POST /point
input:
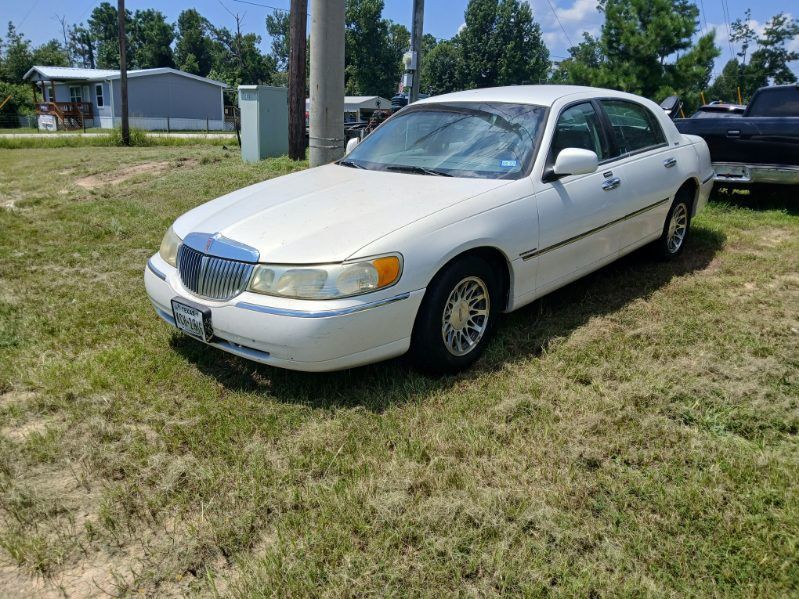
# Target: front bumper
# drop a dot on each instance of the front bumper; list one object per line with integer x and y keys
{"x": 733, "y": 172}
{"x": 313, "y": 336}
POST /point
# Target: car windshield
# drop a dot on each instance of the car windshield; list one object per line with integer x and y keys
{"x": 470, "y": 139}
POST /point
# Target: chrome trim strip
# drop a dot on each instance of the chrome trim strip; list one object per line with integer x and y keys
{"x": 322, "y": 313}
{"x": 156, "y": 272}
{"x": 216, "y": 244}
{"x": 533, "y": 253}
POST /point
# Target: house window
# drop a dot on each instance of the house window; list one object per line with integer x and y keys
{"x": 75, "y": 94}
{"x": 98, "y": 92}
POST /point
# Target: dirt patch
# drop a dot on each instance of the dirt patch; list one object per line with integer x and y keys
{"x": 22, "y": 431}
{"x": 123, "y": 174}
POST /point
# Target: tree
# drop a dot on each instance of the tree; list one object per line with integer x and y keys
{"x": 17, "y": 56}
{"x": 237, "y": 59}
{"x": 151, "y": 40}
{"x": 645, "y": 47}
{"x": 772, "y": 57}
{"x": 104, "y": 29}
{"x": 373, "y": 49}
{"x": 441, "y": 69}
{"x": 277, "y": 26}
{"x": 82, "y": 47}
{"x": 52, "y": 53}
{"x": 770, "y": 61}
{"x": 501, "y": 45}
{"x": 194, "y": 46}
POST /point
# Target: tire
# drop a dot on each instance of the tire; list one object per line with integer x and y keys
{"x": 676, "y": 228}
{"x": 457, "y": 317}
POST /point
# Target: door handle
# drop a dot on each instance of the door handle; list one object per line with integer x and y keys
{"x": 734, "y": 133}
{"x": 611, "y": 183}
{"x": 670, "y": 162}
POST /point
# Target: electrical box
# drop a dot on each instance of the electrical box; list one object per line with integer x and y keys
{"x": 264, "y": 122}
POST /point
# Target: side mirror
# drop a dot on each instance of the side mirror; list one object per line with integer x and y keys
{"x": 575, "y": 161}
{"x": 672, "y": 106}
{"x": 351, "y": 144}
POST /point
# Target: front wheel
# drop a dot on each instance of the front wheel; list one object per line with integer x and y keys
{"x": 457, "y": 316}
{"x": 675, "y": 230}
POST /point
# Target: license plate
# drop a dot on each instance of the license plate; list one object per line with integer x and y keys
{"x": 193, "y": 320}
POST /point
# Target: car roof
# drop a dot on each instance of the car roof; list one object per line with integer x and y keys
{"x": 541, "y": 95}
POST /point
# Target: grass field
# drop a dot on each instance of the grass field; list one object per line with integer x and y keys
{"x": 632, "y": 434}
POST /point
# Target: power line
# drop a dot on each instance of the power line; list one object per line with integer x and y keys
{"x": 557, "y": 18}
{"x": 704, "y": 16}
{"x": 262, "y": 5}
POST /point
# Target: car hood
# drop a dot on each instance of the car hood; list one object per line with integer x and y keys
{"x": 326, "y": 214}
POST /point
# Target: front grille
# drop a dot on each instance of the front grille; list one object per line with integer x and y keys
{"x": 212, "y": 277}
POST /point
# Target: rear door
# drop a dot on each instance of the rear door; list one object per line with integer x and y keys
{"x": 651, "y": 172}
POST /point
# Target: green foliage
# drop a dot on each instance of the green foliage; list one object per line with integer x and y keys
{"x": 238, "y": 60}
{"x": 21, "y": 101}
{"x": 104, "y": 28}
{"x": 374, "y": 48}
{"x": 442, "y": 68}
{"x": 501, "y": 45}
{"x": 278, "y": 27}
{"x": 52, "y": 53}
{"x": 772, "y": 56}
{"x": 17, "y": 56}
{"x": 194, "y": 46}
{"x": 769, "y": 63}
{"x": 82, "y": 47}
{"x": 645, "y": 48}
{"x": 137, "y": 137}
{"x": 151, "y": 39}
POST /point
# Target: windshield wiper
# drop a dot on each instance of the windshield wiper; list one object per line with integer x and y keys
{"x": 350, "y": 164}
{"x": 418, "y": 170}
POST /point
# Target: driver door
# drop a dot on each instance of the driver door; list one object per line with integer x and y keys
{"x": 576, "y": 212}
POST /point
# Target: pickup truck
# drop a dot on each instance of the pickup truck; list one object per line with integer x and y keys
{"x": 760, "y": 146}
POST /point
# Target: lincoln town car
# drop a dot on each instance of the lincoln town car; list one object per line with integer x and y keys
{"x": 457, "y": 208}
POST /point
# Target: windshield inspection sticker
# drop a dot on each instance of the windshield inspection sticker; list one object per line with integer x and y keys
{"x": 508, "y": 163}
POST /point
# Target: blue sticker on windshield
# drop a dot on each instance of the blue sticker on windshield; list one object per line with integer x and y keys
{"x": 508, "y": 163}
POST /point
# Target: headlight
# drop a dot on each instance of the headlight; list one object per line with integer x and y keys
{"x": 327, "y": 281}
{"x": 169, "y": 247}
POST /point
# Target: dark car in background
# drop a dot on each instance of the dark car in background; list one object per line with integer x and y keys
{"x": 759, "y": 146}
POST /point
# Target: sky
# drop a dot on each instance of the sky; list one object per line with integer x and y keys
{"x": 37, "y": 18}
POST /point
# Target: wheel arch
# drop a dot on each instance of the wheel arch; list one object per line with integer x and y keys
{"x": 691, "y": 188}
{"x": 495, "y": 257}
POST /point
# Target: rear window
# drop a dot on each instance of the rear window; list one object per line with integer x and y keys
{"x": 634, "y": 126}
{"x": 714, "y": 114}
{"x": 782, "y": 101}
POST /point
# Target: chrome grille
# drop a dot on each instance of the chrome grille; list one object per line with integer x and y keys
{"x": 212, "y": 277}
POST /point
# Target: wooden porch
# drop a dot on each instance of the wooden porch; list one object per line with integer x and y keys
{"x": 69, "y": 115}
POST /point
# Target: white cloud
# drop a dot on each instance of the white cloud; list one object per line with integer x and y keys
{"x": 462, "y": 27}
{"x": 576, "y": 17}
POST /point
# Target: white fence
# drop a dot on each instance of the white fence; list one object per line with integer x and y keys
{"x": 165, "y": 123}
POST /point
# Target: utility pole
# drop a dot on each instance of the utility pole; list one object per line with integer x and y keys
{"x": 327, "y": 81}
{"x": 123, "y": 73}
{"x": 417, "y": 29}
{"x": 298, "y": 22}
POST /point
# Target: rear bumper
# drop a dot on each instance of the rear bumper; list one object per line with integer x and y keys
{"x": 301, "y": 335}
{"x": 734, "y": 172}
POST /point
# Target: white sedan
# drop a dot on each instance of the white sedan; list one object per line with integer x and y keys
{"x": 457, "y": 208}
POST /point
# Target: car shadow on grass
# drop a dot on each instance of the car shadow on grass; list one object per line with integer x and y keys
{"x": 521, "y": 334}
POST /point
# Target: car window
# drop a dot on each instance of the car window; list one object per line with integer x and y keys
{"x": 715, "y": 114}
{"x": 634, "y": 126}
{"x": 777, "y": 101}
{"x": 578, "y": 127}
